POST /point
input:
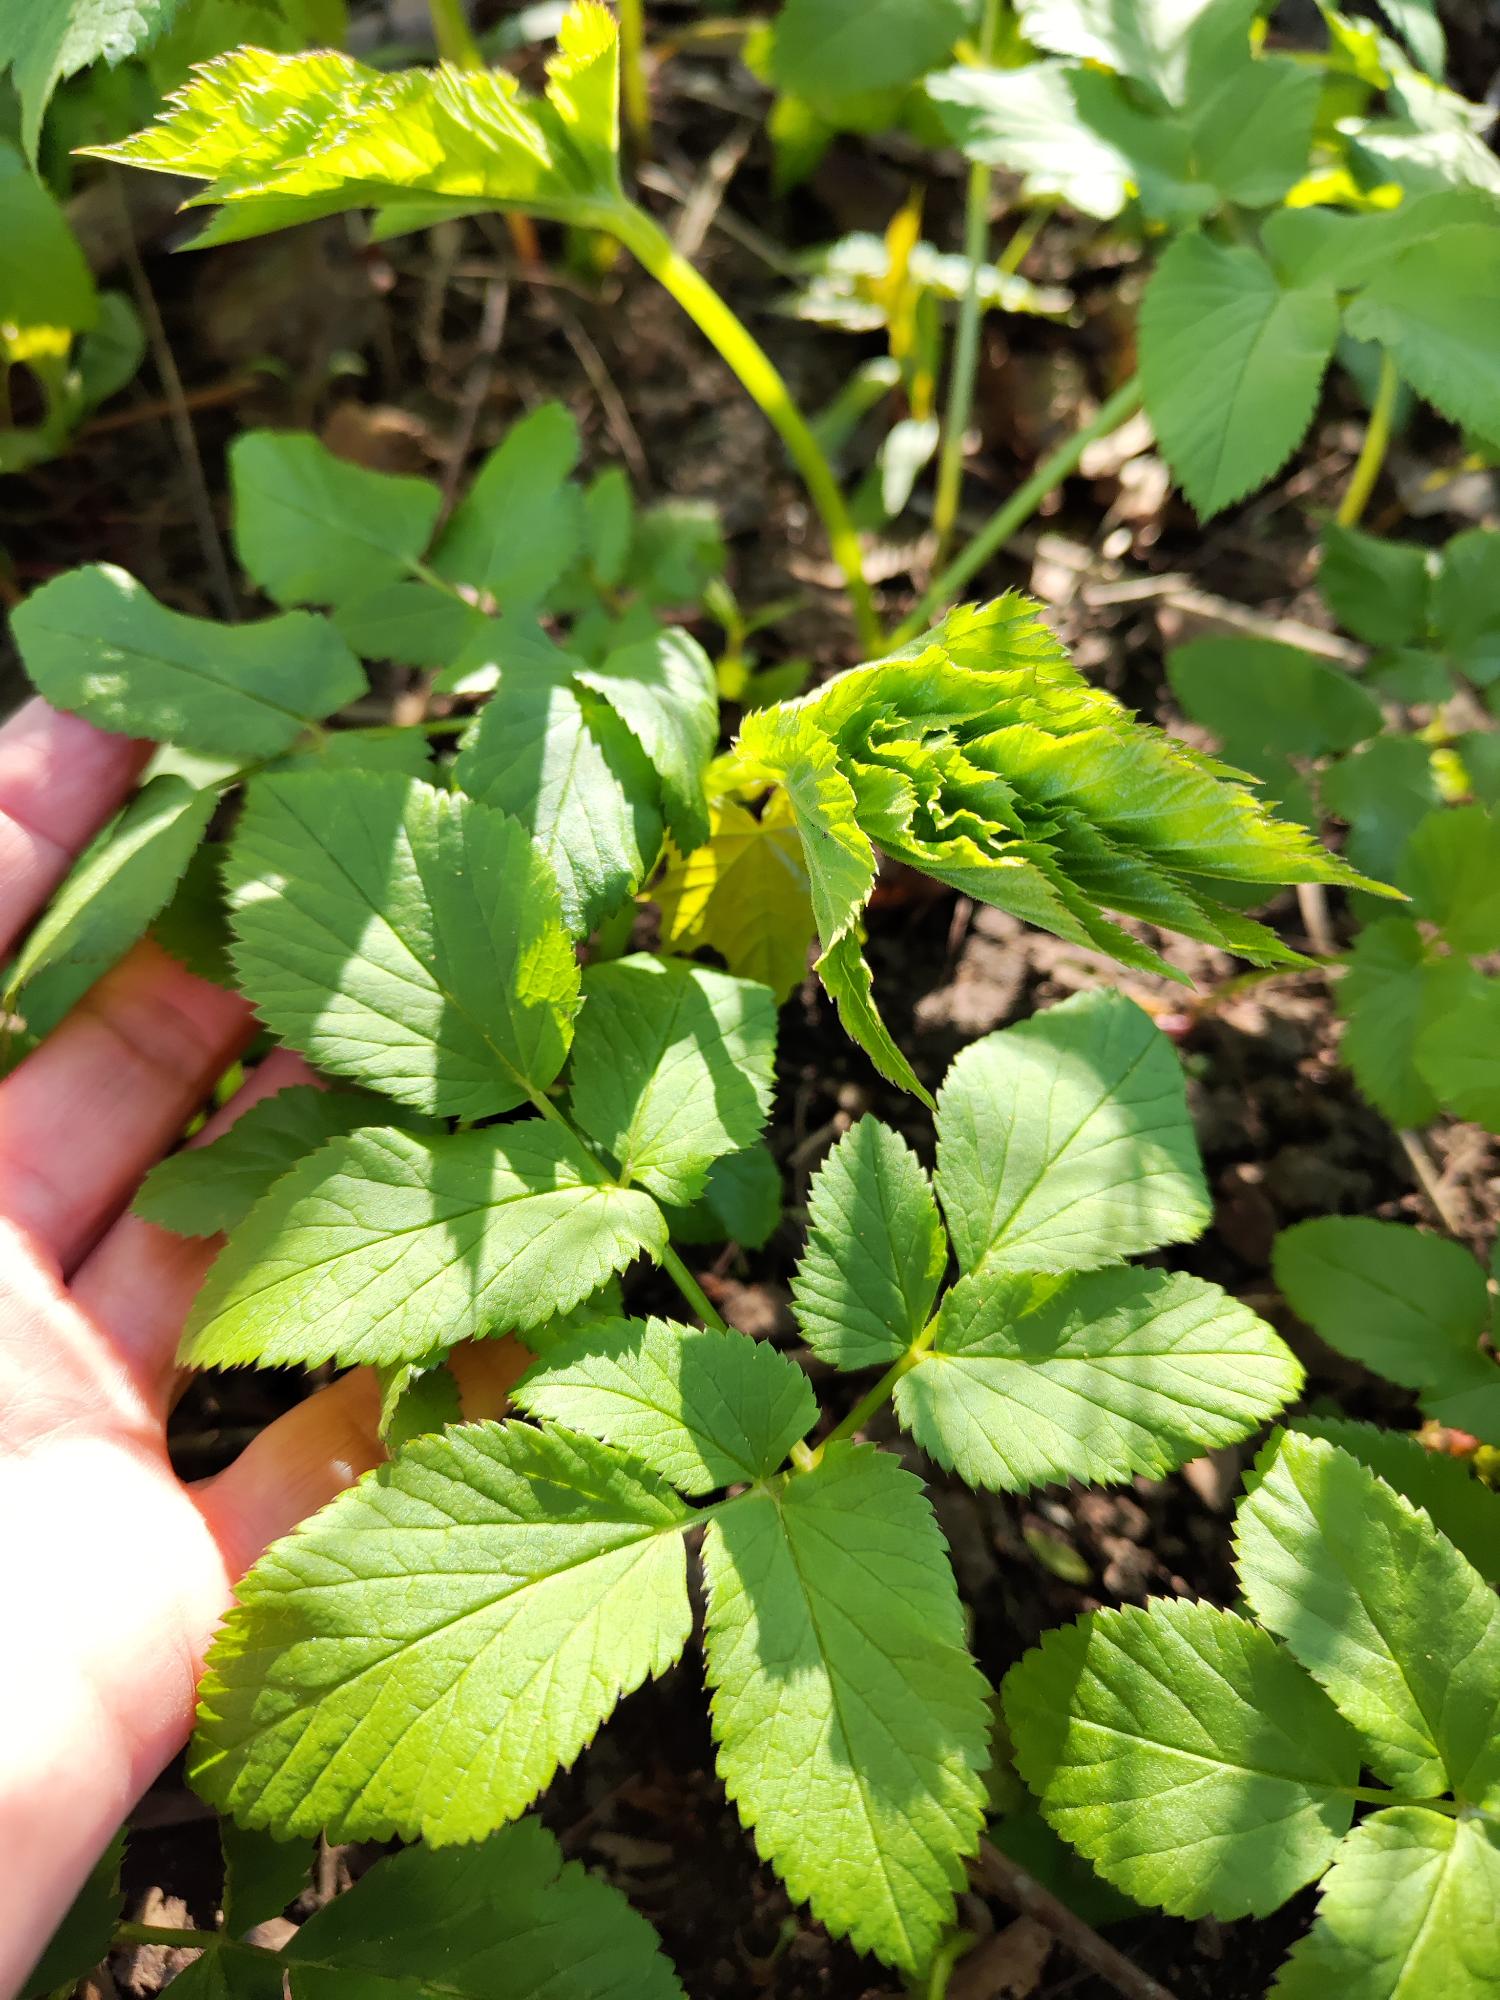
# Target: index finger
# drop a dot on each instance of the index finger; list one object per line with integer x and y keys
{"x": 60, "y": 780}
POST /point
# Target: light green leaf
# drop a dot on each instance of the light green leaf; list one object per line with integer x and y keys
{"x": 672, "y": 1068}
{"x": 1377, "y": 590}
{"x": 849, "y": 983}
{"x": 1458, "y": 1504}
{"x": 118, "y": 885}
{"x": 97, "y": 642}
{"x": 415, "y": 1400}
{"x": 1065, "y": 1142}
{"x": 1097, "y": 1377}
{"x": 1451, "y": 871}
{"x": 422, "y": 1655}
{"x": 703, "y": 1407}
{"x": 1466, "y": 603}
{"x": 261, "y": 1876}
{"x": 1458, "y": 1054}
{"x": 1410, "y": 1907}
{"x": 311, "y": 528}
{"x": 386, "y": 1246}
{"x": 1033, "y": 121}
{"x": 565, "y": 766}
{"x": 1231, "y": 363}
{"x": 44, "y": 45}
{"x": 663, "y": 689}
{"x": 875, "y": 1252}
{"x": 410, "y": 623}
{"x": 1382, "y": 1611}
{"x": 1185, "y": 1754}
{"x": 1410, "y": 1306}
{"x": 1257, "y": 694}
{"x": 1158, "y": 42}
{"x": 785, "y": 746}
{"x": 520, "y": 525}
{"x": 851, "y": 1722}
{"x": 45, "y": 280}
{"x": 212, "y": 1188}
{"x": 82, "y": 1939}
{"x": 839, "y": 48}
{"x": 407, "y": 938}
{"x": 1435, "y": 309}
{"x": 1394, "y": 987}
{"x": 744, "y": 894}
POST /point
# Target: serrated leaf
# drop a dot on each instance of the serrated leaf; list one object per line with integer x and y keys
{"x": 672, "y": 1068}
{"x": 875, "y": 1251}
{"x": 519, "y": 527}
{"x": 663, "y": 689}
{"x": 740, "y": 1202}
{"x": 1383, "y": 1612}
{"x": 407, "y": 938}
{"x": 97, "y": 642}
{"x": 386, "y": 1246}
{"x": 415, "y": 1400}
{"x": 703, "y": 1407}
{"x": 1410, "y": 1306}
{"x": 1097, "y": 1377}
{"x": 1410, "y": 1906}
{"x": 1231, "y": 363}
{"x": 785, "y": 746}
{"x": 1458, "y": 1054}
{"x": 83, "y": 1937}
{"x": 744, "y": 894}
{"x": 838, "y": 48}
{"x": 1257, "y": 694}
{"x": 1435, "y": 309}
{"x": 115, "y": 889}
{"x": 1394, "y": 986}
{"x": 1451, "y": 871}
{"x": 568, "y": 769}
{"x": 212, "y": 1188}
{"x": 1458, "y": 1504}
{"x": 1034, "y": 121}
{"x": 261, "y": 1876}
{"x": 1466, "y": 603}
{"x": 851, "y": 1722}
{"x": 340, "y": 1697}
{"x": 1185, "y": 1754}
{"x": 849, "y": 983}
{"x": 311, "y": 528}
{"x": 1378, "y": 590}
{"x": 44, "y": 45}
{"x": 1065, "y": 1142}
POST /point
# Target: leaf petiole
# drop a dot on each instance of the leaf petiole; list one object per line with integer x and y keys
{"x": 1372, "y": 451}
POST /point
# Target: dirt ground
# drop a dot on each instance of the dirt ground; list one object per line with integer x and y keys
{"x": 417, "y": 356}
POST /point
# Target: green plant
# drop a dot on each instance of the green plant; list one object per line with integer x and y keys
{"x": 1211, "y": 1762}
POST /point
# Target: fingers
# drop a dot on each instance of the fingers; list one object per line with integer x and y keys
{"x": 310, "y": 1455}
{"x": 89, "y": 1111}
{"x": 60, "y": 780}
{"x": 137, "y": 1285}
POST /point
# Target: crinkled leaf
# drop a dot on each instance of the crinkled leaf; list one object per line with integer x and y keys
{"x": 1257, "y": 694}
{"x": 744, "y": 894}
{"x": 386, "y": 1246}
{"x": 663, "y": 689}
{"x": 1231, "y": 362}
{"x": 1383, "y": 1612}
{"x": 846, "y": 976}
{"x": 1065, "y": 1142}
{"x": 1458, "y": 1054}
{"x": 405, "y": 937}
{"x": 703, "y": 1407}
{"x": 672, "y": 1068}
{"x": 851, "y": 1722}
{"x": 97, "y": 642}
{"x": 838, "y": 48}
{"x": 785, "y": 746}
{"x": 1186, "y": 1754}
{"x": 311, "y": 528}
{"x": 1435, "y": 309}
{"x": 1378, "y": 590}
{"x": 520, "y": 525}
{"x": 1098, "y": 1377}
{"x": 875, "y": 1251}
{"x": 1411, "y": 1906}
{"x": 423, "y": 1654}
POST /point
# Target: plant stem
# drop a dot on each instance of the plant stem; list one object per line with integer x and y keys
{"x": 180, "y": 1940}
{"x": 876, "y": 1398}
{"x": 1019, "y": 508}
{"x": 1372, "y": 451}
{"x": 760, "y": 377}
{"x": 965, "y": 361}
{"x": 691, "y": 1290}
{"x": 633, "y": 91}
{"x": 451, "y": 31}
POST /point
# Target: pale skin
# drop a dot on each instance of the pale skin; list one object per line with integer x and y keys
{"x": 113, "y": 1572}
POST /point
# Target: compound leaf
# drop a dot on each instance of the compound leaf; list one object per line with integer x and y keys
{"x": 1382, "y": 1611}
{"x": 312, "y": 528}
{"x": 672, "y": 1069}
{"x": 1231, "y": 363}
{"x": 1410, "y": 1906}
{"x": 97, "y": 642}
{"x": 744, "y": 894}
{"x": 875, "y": 1251}
{"x": 422, "y": 1655}
{"x": 851, "y": 1722}
{"x": 703, "y": 1407}
{"x": 386, "y": 1246}
{"x": 408, "y": 938}
{"x": 519, "y": 527}
{"x": 1185, "y": 1754}
{"x": 1065, "y": 1142}
{"x": 1435, "y": 308}
{"x": 663, "y": 689}
{"x": 1099, "y": 1377}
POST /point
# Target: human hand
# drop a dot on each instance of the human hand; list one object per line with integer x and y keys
{"x": 113, "y": 1573}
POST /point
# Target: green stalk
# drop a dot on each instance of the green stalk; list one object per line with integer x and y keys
{"x": 691, "y": 1290}
{"x": 633, "y": 91}
{"x": 965, "y": 363}
{"x": 454, "y": 37}
{"x": 758, "y": 373}
{"x": 876, "y": 1398}
{"x": 1372, "y": 451}
{"x": 1018, "y": 510}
